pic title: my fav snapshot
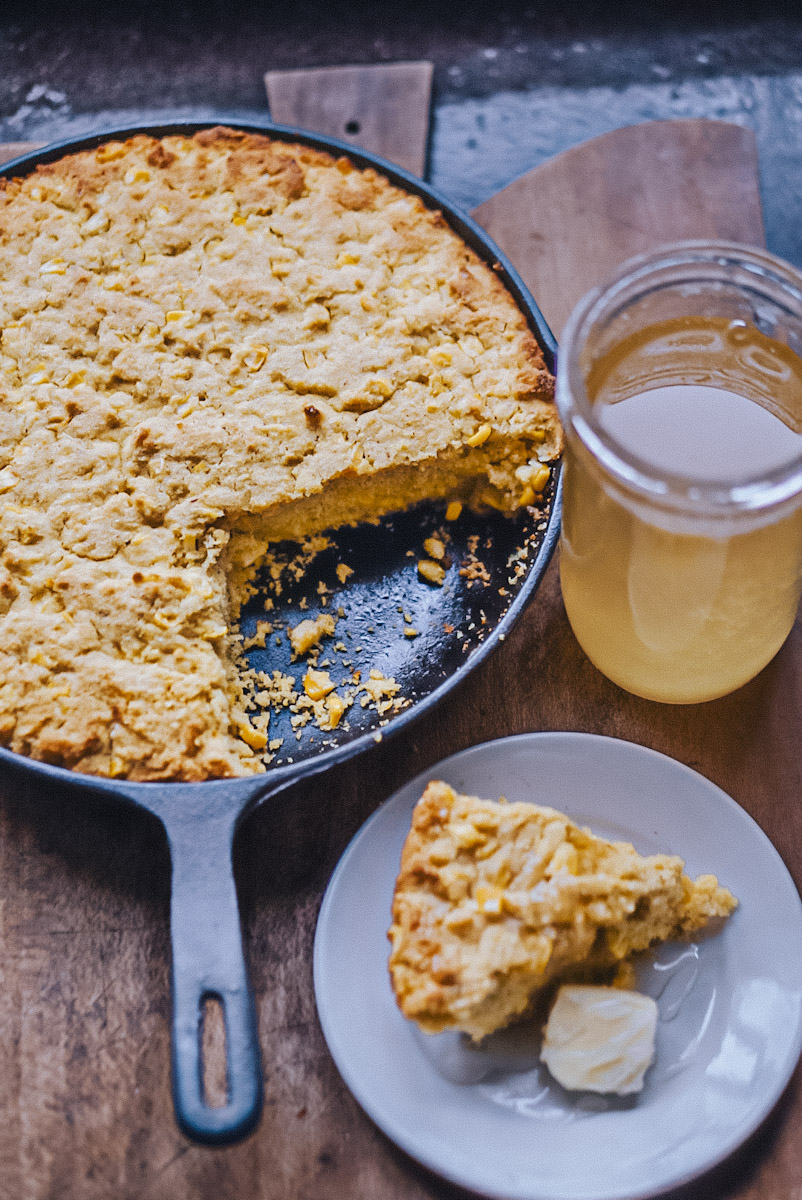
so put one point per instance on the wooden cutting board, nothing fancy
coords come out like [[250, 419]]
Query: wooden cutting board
[[85, 1107], [383, 108], [9, 150], [566, 225]]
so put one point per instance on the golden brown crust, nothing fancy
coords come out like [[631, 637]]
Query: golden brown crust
[[200, 337], [494, 900]]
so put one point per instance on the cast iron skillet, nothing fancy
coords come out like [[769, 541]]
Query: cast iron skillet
[[503, 559]]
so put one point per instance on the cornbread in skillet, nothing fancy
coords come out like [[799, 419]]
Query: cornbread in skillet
[[209, 344], [496, 899]]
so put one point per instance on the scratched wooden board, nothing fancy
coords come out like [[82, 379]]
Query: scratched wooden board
[[383, 108], [85, 1110], [9, 150], [570, 222]]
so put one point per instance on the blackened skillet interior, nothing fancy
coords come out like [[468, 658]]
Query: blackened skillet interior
[[503, 560]]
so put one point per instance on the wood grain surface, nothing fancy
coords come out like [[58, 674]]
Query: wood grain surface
[[9, 150], [85, 1108], [383, 108], [569, 223]]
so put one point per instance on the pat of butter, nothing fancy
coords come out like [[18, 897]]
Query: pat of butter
[[600, 1039]]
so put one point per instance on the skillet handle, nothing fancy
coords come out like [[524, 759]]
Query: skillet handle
[[208, 962]]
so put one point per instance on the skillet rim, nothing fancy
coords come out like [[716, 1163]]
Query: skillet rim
[[252, 790]]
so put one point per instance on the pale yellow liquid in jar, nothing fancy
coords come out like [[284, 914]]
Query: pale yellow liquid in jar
[[664, 612]]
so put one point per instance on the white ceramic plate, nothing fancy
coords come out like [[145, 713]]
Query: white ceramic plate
[[490, 1119]]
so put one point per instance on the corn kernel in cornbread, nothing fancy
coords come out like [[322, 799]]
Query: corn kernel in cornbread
[[208, 344], [496, 899]]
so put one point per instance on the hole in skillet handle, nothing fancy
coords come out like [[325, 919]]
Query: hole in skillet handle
[[214, 1067], [201, 1112]]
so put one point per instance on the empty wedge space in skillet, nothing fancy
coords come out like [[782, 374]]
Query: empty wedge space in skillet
[[210, 343]]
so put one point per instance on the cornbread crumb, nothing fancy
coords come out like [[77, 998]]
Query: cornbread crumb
[[263, 630], [431, 571], [253, 737], [475, 571], [336, 706], [435, 548], [310, 632], [318, 684], [379, 692], [496, 899]]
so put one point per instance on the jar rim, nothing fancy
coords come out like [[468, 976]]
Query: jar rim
[[674, 491]]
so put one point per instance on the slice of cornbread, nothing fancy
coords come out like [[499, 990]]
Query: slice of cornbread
[[496, 899], [207, 344]]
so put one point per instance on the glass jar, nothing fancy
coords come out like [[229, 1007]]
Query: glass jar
[[682, 582]]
